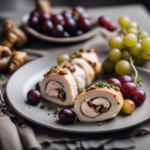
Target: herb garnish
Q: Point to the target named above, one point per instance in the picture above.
(89, 89)
(48, 114)
(78, 54)
(43, 106)
(29, 107)
(139, 82)
(101, 84)
(57, 111)
(70, 59)
(53, 69)
(4, 79)
(49, 107)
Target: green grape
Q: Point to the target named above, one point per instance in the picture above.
(116, 42)
(124, 21)
(146, 43)
(123, 67)
(146, 54)
(144, 34)
(62, 58)
(133, 25)
(130, 39)
(125, 55)
(108, 65)
(136, 50)
(138, 60)
(114, 54)
(133, 30)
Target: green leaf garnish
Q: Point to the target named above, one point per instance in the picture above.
(57, 111)
(89, 89)
(70, 59)
(78, 54)
(101, 84)
(48, 114)
(43, 106)
(53, 69)
(4, 79)
(29, 107)
(49, 107)
(55, 116)
(139, 82)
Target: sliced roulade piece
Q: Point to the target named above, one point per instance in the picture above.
(91, 57)
(88, 69)
(98, 104)
(59, 86)
(78, 74)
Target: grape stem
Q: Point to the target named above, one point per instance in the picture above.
(133, 67)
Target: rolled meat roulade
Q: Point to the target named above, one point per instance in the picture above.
(78, 74)
(91, 57)
(59, 86)
(98, 103)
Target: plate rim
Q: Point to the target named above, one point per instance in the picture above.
(65, 130)
(38, 35)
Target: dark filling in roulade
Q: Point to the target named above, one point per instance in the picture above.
(95, 107)
(55, 89)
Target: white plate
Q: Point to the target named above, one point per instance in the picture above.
(27, 76)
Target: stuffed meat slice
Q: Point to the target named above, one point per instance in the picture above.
(59, 86)
(91, 57)
(98, 104)
(78, 74)
(88, 69)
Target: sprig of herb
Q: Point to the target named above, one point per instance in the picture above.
(29, 107)
(43, 106)
(53, 69)
(89, 89)
(70, 59)
(48, 114)
(49, 107)
(139, 82)
(78, 54)
(4, 79)
(101, 84)
(57, 111)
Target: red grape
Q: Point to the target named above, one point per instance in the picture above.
(34, 97)
(67, 14)
(111, 26)
(37, 86)
(70, 25)
(66, 34)
(103, 21)
(47, 27)
(67, 116)
(44, 16)
(78, 33)
(57, 19)
(84, 15)
(114, 81)
(138, 96)
(127, 89)
(85, 24)
(125, 78)
(35, 13)
(33, 21)
(58, 30)
(78, 9)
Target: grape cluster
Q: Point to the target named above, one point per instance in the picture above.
(70, 23)
(132, 42)
(133, 97)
